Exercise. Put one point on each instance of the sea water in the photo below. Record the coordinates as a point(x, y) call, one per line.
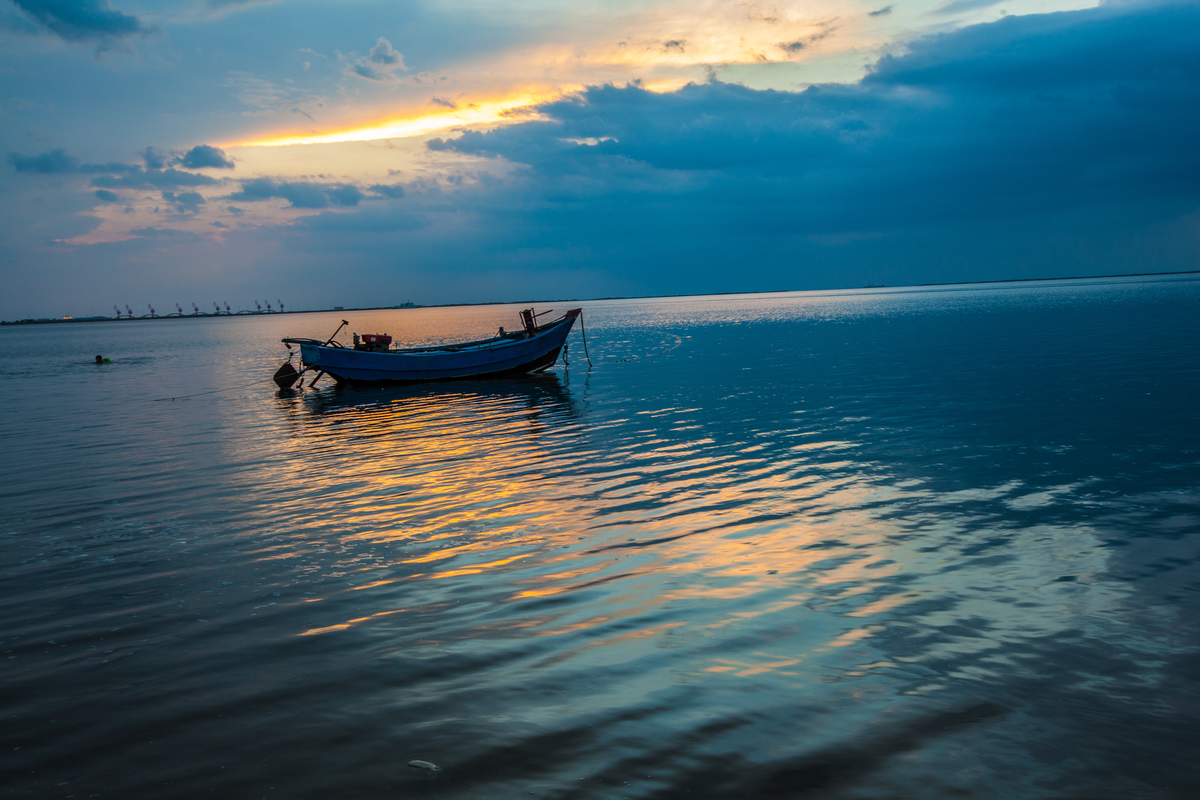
point(936, 542)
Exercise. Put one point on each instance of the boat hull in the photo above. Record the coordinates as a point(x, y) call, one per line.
point(494, 358)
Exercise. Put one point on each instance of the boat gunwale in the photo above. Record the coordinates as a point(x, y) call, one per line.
point(480, 344)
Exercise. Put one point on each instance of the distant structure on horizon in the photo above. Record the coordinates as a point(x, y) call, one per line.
point(219, 310)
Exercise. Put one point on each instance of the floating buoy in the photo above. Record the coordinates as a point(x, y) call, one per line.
point(286, 376)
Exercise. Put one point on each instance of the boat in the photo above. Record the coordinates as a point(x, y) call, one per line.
point(371, 358)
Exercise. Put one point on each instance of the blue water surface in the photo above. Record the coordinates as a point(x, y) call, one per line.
point(936, 542)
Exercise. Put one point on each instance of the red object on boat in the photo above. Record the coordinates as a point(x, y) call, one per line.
point(376, 338)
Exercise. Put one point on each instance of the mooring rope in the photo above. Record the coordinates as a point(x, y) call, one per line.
point(211, 391)
point(583, 330)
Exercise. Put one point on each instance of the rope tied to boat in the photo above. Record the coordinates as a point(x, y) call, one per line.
point(583, 331)
point(211, 391)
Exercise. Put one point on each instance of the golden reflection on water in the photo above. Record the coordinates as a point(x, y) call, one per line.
point(620, 524)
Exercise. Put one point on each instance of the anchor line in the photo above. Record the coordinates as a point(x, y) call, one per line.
point(211, 391)
point(583, 330)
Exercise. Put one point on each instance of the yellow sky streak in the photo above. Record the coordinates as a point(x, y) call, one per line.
point(486, 113)
point(494, 112)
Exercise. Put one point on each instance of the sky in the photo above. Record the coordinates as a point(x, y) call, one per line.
point(367, 153)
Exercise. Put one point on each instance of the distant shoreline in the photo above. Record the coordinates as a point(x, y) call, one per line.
point(407, 306)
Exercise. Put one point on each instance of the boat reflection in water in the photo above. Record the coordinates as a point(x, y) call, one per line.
point(544, 392)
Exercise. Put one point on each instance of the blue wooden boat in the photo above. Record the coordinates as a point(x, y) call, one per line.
point(371, 359)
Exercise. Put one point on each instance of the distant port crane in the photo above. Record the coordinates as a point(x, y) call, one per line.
point(195, 309)
point(118, 312)
point(257, 306)
point(153, 313)
point(129, 311)
point(280, 306)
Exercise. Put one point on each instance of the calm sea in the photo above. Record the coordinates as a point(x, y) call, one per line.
point(934, 543)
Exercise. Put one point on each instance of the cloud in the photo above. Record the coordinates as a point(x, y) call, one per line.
point(185, 202)
point(82, 20)
point(299, 194)
point(167, 233)
point(111, 166)
point(393, 191)
point(881, 12)
point(977, 154)
point(203, 155)
point(955, 6)
point(441, 101)
point(106, 196)
point(235, 5)
point(366, 71)
point(53, 162)
point(956, 128)
point(380, 64)
point(344, 195)
point(116, 175)
point(153, 178)
point(384, 53)
point(377, 221)
point(153, 158)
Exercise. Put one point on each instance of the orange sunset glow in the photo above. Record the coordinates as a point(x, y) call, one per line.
point(491, 112)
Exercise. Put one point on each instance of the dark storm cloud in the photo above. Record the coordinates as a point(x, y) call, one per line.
point(1027, 114)
point(203, 155)
point(82, 20)
point(300, 194)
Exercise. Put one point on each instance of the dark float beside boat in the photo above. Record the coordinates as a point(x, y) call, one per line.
point(371, 359)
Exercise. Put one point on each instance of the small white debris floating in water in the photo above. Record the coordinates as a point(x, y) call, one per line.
point(425, 765)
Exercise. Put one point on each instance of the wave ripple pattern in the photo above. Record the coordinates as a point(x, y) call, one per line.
point(879, 543)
